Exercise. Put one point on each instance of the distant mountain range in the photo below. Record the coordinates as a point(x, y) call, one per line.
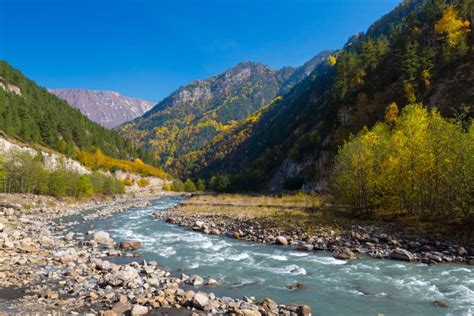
point(108, 108)
point(192, 115)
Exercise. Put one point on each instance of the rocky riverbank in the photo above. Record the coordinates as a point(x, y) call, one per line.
point(346, 242)
point(45, 268)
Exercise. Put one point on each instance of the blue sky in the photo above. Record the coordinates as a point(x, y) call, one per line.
point(147, 49)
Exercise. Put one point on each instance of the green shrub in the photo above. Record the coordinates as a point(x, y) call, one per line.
point(189, 186)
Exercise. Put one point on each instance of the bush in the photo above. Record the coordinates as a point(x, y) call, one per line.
point(143, 182)
point(127, 182)
point(83, 187)
point(177, 185)
point(219, 183)
point(189, 186)
point(201, 185)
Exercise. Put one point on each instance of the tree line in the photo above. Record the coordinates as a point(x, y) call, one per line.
point(416, 163)
point(22, 172)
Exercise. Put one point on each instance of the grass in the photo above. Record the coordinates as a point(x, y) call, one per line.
point(306, 211)
point(309, 212)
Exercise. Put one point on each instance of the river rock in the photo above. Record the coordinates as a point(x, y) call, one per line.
point(2, 227)
point(103, 238)
point(130, 245)
point(343, 254)
point(200, 300)
point(461, 251)
point(270, 306)
point(304, 310)
point(402, 254)
point(441, 303)
point(196, 280)
point(120, 308)
point(305, 247)
point(280, 240)
point(214, 231)
point(212, 282)
point(139, 310)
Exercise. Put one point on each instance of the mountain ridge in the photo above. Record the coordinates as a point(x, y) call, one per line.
point(106, 107)
point(194, 113)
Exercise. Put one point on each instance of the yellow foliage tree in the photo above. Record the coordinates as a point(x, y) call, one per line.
point(451, 28)
point(332, 60)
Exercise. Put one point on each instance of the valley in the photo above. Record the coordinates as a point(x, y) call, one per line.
point(284, 171)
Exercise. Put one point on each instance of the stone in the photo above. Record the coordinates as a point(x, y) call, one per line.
point(139, 310)
point(402, 254)
point(305, 247)
point(212, 282)
point(270, 306)
point(196, 280)
point(214, 231)
point(130, 245)
point(103, 238)
point(2, 227)
point(441, 303)
point(236, 235)
point(121, 308)
point(200, 300)
point(343, 254)
point(280, 240)
point(304, 310)
point(461, 251)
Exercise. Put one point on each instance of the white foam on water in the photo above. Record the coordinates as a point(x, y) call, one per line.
point(290, 269)
point(165, 252)
point(298, 254)
point(279, 257)
point(327, 260)
point(239, 257)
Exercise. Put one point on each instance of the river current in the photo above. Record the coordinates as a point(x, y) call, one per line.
point(331, 286)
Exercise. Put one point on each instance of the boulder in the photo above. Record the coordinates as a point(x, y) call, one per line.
point(103, 238)
point(120, 308)
point(344, 254)
point(402, 254)
point(130, 245)
point(305, 247)
point(212, 282)
point(139, 310)
point(461, 251)
point(280, 240)
point(304, 310)
point(214, 231)
point(200, 300)
point(196, 280)
point(441, 303)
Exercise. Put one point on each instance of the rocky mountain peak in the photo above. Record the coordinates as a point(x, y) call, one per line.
point(108, 108)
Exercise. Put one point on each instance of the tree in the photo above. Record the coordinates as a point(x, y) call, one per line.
point(219, 183)
point(391, 113)
point(451, 29)
point(201, 185)
point(189, 186)
point(83, 187)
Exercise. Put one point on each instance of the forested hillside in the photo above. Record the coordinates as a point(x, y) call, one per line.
point(422, 51)
point(32, 115)
point(189, 118)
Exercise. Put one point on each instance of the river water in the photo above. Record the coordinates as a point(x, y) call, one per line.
point(331, 286)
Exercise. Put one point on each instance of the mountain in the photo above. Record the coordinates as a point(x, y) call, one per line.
point(108, 108)
point(422, 51)
point(188, 118)
point(31, 114)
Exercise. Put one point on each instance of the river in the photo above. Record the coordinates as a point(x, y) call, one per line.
point(331, 287)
